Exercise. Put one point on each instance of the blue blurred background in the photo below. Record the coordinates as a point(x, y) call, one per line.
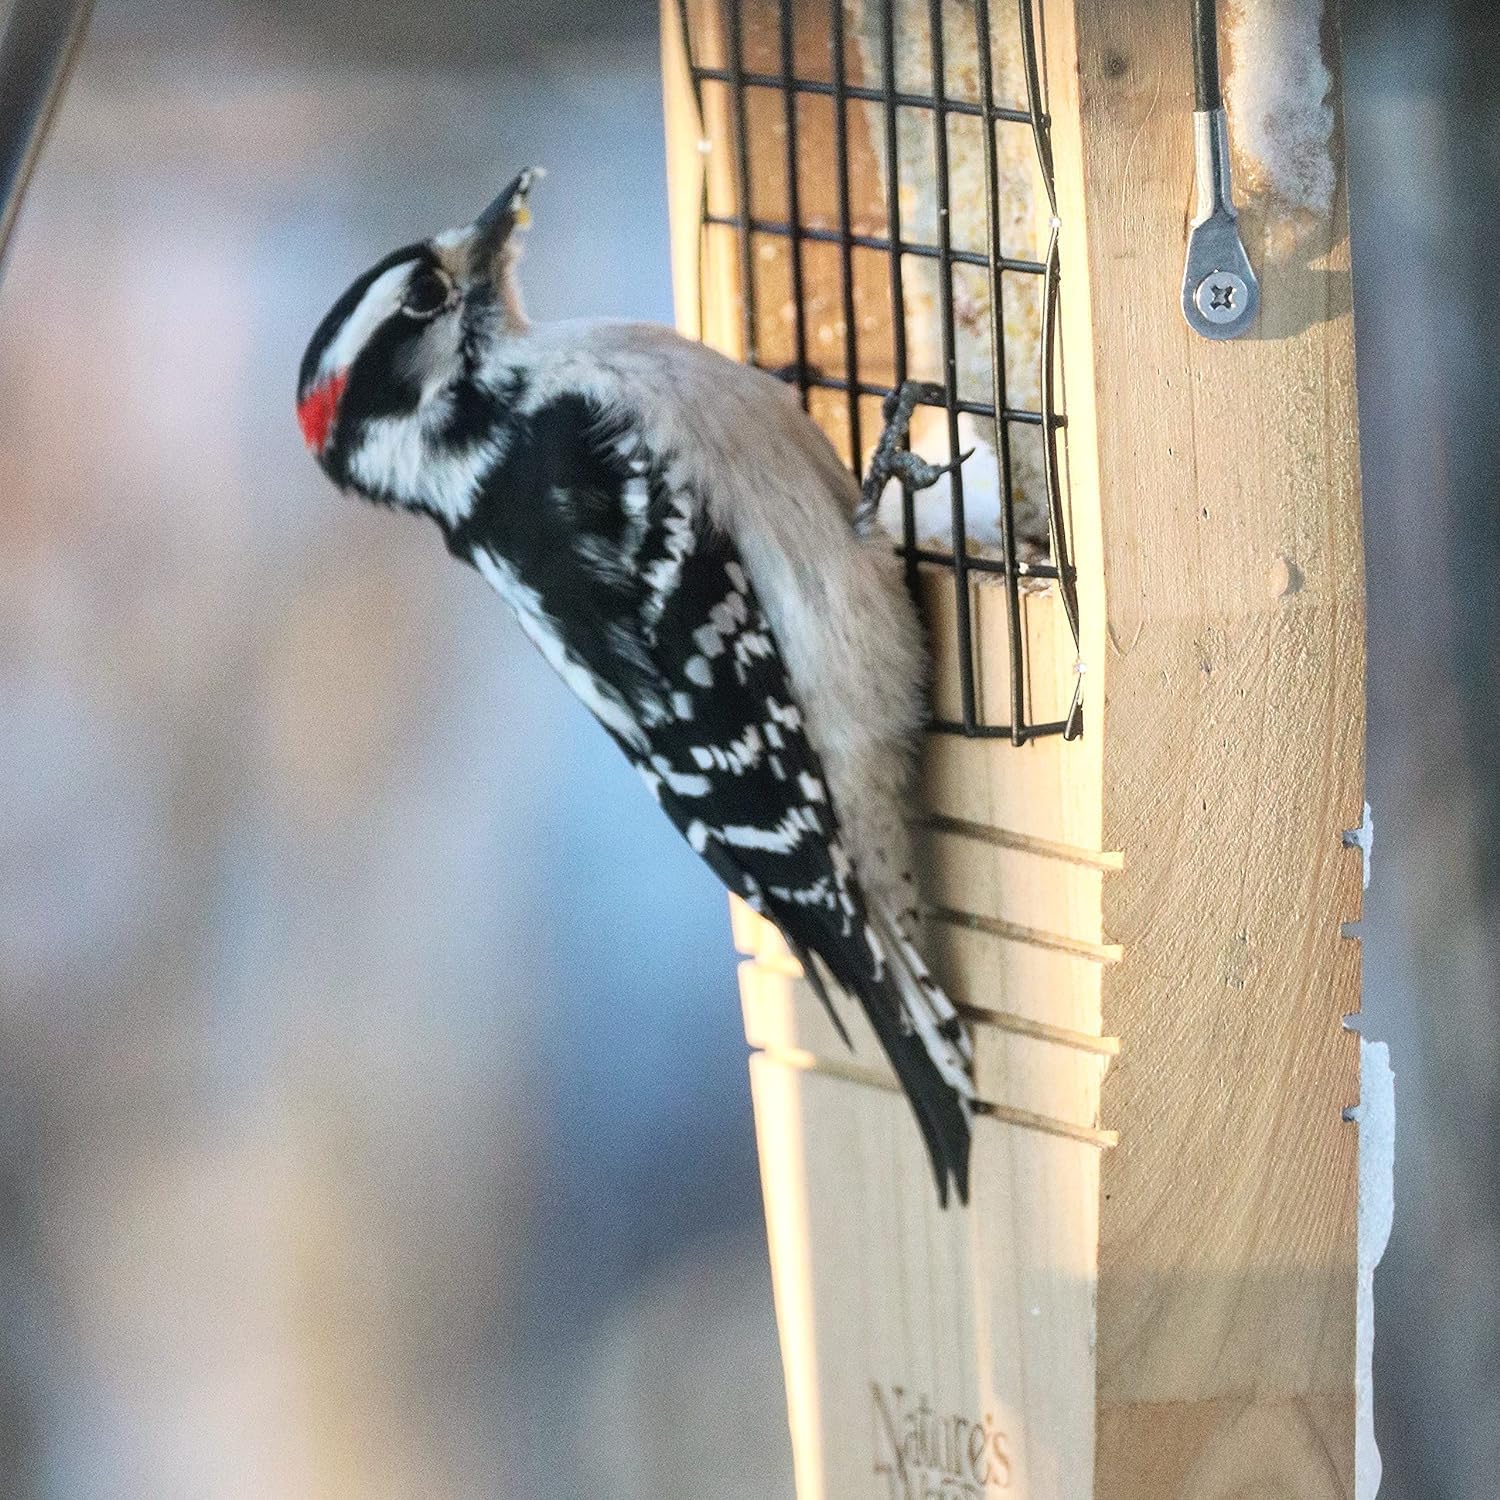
point(373, 1110)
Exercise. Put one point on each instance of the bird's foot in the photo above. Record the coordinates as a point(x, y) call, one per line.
point(916, 471)
point(893, 461)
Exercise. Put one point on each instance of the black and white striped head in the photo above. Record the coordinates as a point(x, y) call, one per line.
point(386, 396)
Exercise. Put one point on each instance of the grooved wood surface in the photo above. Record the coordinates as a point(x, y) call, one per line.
point(1153, 1295)
point(1233, 741)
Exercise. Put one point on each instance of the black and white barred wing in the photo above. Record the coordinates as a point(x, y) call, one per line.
point(732, 765)
point(735, 764)
point(649, 615)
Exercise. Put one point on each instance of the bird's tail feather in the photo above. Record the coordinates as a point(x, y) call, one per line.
point(814, 975)
point(929, 1010)
point(942, 1112)
point(925, 1040)
point(922, 1035)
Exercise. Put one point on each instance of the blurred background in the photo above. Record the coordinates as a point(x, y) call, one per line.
point(308, 1186)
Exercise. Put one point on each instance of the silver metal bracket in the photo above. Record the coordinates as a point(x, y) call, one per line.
point(1220, 295)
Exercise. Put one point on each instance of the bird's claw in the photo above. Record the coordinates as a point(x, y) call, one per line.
point(907, 397)
point(890, 460)
point(916, 471)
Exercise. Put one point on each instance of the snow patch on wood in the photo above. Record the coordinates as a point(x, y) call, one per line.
point(1277, 91)
point(1377, 1206)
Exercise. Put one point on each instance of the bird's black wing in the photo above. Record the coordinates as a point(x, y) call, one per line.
point(649, 614)
point(733, 767)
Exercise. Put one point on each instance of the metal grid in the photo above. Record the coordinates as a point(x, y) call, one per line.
point(797, 234)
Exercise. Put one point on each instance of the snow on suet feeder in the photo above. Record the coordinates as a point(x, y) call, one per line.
point(1139, 893)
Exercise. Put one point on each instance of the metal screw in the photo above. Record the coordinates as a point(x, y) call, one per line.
point(1220, 294)
point(1222, 297)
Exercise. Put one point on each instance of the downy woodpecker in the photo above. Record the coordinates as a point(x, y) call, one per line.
point(680, 541)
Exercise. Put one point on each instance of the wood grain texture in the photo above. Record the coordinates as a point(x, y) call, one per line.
point(926, 1352)
point(1143, 926)
point(1232, 733)
point(922, 1349)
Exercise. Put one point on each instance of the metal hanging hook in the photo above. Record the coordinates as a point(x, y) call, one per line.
point(1220, 294)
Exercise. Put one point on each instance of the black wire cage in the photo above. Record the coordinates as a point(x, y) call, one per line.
point(872, 235)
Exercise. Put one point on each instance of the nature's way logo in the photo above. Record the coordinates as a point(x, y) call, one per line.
point(924, 1454)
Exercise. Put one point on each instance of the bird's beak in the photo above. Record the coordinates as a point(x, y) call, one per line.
point(490, 233)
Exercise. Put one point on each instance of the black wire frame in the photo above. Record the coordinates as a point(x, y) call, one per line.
point(796, 234)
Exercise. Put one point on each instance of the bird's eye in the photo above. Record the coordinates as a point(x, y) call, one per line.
point(427, 294)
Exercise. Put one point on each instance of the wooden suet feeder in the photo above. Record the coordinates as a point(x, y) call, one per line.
point(1145, 600)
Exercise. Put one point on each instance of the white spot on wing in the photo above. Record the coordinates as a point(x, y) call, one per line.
point(708, 641)
point(635, 496)
point(781, 839)
point(684, 783)
point(663, 575)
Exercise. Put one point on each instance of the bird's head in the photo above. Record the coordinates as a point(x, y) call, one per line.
point(388, 379)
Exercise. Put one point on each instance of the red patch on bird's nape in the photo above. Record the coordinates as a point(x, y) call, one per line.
point(316, 409)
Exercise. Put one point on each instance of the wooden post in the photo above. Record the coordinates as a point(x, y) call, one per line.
point(1233, 759)
point(1152, 1296)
